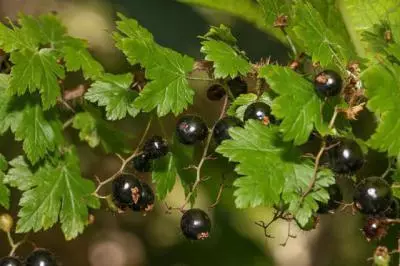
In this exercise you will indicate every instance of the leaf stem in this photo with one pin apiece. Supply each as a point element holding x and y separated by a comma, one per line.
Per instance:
<point>289,40</point>
<point>14,246</point>
<point>124,163</point>
<point>204,157</point>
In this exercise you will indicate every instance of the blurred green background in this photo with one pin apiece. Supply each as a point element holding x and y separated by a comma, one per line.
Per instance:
<point>134,240</point>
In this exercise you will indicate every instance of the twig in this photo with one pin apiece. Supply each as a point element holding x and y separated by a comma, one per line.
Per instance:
<point>289,40</point>
<point>124,163</point>
<point>277,215</point>
<point>14,246</point>
<point>204,157</point>
<point>68,123</point>
<point>221,189</point>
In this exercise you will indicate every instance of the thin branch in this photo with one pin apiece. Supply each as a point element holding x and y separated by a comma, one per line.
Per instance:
<point>123,164</point>
<point>68,123</point>
<point>204,157</point>
<point>201,79</point>
<point>221,189</point>
<point>289,40</point>
<point>14,246</point>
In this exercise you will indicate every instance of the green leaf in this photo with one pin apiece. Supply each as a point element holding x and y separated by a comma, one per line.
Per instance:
<point>382,85</point>
<point>221,33</point>
<point>168,90</point>
<point>36,70</point>
<point>272,9</point>
<point>297,184</point>
<point>6,115</point>
<point>20,174</point>
<point>164,175</point>
<point>39,132</point>
<point>259,152</point>
<point>228,62</point>
<point>4,191</point>
<point>59,194</point>
<point>239,106</point>
<point>297,104</point>
<point>113,92</point>
<point>77,57</point>
<point>318,39</point>
<point>375,37</point>
<point>95,131</point>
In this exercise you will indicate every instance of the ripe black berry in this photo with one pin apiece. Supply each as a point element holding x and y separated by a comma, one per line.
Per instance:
<point>335,197</point>
<point>126,191</point>
<point>374,228</point>
<point>41,257</point>
<point>146,200</point>
<point>142,163</point>
<point>259,111</point>
<point>195,224</point>
<point>373,195</point>
<point>346,157</point>
<point>237,86</point>
<point>221,129</point>
<point>191,129</point>
<point>216,92</point>
<point>155,147</point>
<point>10,261</point>
<point>328,83</point>
<point>394,210</point>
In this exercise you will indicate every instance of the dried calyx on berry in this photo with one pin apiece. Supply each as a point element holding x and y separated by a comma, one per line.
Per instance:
<point>328,83</point>
<point>195,224</point>
<point>215,92</point>
<point>142,163</point>
<point>221,128</point>
<point>259,111</point>
<point>10,261</point>
<point>191,129</point>
<point>374,228</point>
<point>126,191</point>
<point>237,86</point>
<point>373,196</point>
<point>345,155</point>
<point>41,257</point>
<point>146,201</point>
<point>335,198</point>
<point>155,147</point>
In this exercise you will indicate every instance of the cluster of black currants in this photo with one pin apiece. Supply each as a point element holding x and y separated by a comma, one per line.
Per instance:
<point>38,257</point>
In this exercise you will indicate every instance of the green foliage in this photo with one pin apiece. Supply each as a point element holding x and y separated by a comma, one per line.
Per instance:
<point>113,92</point>
<point>4,191</point>
<point>56,193</point>
<point>239,106</point>
<point>297,104</point>
<point>168,90</point>
<point>272,9</point>
<point>164,175</point>
<point>20,174</point>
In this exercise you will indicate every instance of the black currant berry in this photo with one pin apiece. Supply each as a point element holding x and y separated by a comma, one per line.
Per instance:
<point>345,156</point>
<point>373,195</point>
<point>155,147</point>
<point>394,210</point>
<point>221,129</point>
<point>10,261</point>
<point>216,92</point>
<point>195,224</point>
<point>126,191</point>
<point>41,257</point>
<point>328,83</point>
<point>191,129</point>
<point>259,111</point>
<point>374,228</point>
<point>142,163</point>
<point>237,86</point>
<point>335,197</point>
<point>146,200</point>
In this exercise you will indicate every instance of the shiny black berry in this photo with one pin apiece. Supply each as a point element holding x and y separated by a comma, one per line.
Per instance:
<point>237,86</point>
<point>328,83</point>
<point>373,195</point>
<point>155,147</point>
<point>259,111</point>
<point>345,156</point>
<point>195,224</point>
<point>335,198</point>
<point>216,92</point>
<point>221,129</point>
<point>394,210</point>
<point>41,257</point>
<point>10,261</point>
<point>191,129</point>
<point>374,228</point>
<point>126,191</point>
<point>142,163</point>
<point>146,200</point>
